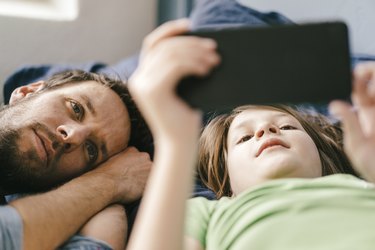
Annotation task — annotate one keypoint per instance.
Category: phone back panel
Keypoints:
(281, 64)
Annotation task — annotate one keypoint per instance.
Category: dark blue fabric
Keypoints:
(33, 73)
(220, 14)
(207, 14)
(356, 59)
(212, 14)
(79, 242)
(200, 190)
(123, 69)
(28, 74)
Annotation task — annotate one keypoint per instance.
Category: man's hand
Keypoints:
(359, 121)
(128, 170)
(51, 218)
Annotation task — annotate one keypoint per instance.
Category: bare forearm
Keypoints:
(51, 218)
(165, 60)
(162, 213)
(109, 225)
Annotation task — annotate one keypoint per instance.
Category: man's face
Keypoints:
(59, 134)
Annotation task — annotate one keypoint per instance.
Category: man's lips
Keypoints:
(270, 143)
(40, 148)
(47, 146)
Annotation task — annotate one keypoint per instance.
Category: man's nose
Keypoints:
(72, 136)
(266, 128)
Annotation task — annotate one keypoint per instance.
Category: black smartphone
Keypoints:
(290, 64)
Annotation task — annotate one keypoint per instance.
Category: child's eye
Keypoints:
(287, 127)
(77, 109)
(245, 138)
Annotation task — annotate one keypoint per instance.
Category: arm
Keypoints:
(165, 59)
(359, 121)
(51, 218)
(109, 225)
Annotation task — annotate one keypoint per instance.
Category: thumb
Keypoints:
(353, 134)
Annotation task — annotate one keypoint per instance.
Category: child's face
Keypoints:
(265, 144)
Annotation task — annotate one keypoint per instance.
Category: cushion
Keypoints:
(32, 73)
(219, 14)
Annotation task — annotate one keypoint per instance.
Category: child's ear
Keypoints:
(24, 91)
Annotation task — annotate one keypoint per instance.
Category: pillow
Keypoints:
(206, 14)
(219, 14)
(32, 73)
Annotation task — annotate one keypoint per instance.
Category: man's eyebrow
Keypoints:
(89, 105)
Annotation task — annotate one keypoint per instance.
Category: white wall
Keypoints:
(359, 15)
(104, 31)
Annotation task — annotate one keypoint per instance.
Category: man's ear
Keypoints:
(24, 91)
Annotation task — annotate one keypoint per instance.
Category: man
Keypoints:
(55, 130)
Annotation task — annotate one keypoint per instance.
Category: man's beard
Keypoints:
(14, 176)
(19, 171)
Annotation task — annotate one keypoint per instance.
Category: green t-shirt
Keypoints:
(332, 212)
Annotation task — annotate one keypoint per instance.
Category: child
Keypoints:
(269, 160)
(213, 153)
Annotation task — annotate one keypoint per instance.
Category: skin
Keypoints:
(110, 225)
(66, 138)
(176, 127)
(293, 153)
(165, 59)
(359, 121)
(51, 218)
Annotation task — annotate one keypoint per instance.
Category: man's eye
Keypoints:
(287, 127)
(92, 151)
(245, 138)
(77, 109)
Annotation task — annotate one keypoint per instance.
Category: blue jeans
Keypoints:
(78, 242)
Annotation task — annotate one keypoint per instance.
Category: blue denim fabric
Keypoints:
(11, 229)
(78, 242)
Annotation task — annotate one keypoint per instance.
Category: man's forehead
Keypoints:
(78, 87)
(90, 92)
(73, 88)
